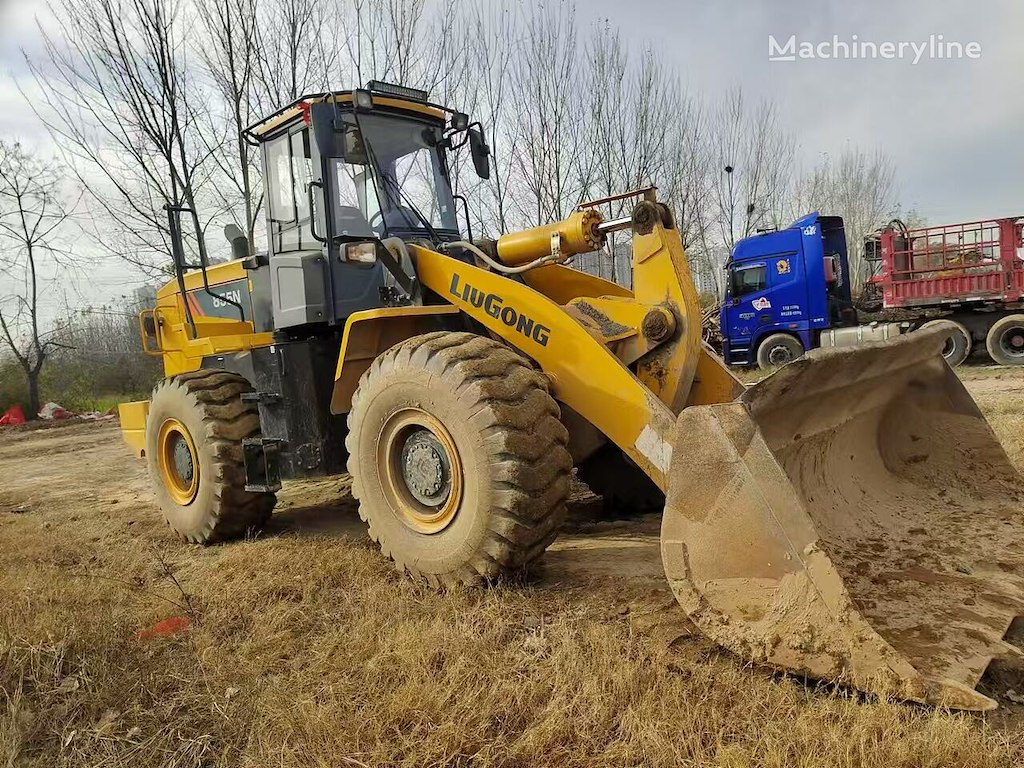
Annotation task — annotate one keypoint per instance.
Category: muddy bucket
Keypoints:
(851, 518)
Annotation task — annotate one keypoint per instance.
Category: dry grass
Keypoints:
(308, 651)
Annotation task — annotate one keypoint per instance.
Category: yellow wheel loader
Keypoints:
(850, 518)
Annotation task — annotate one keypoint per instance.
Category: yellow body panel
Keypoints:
(133, 424)
(661, 277)
(214, 335)
(218, 274)
(713, 383)
(563, 284)
(370, 332)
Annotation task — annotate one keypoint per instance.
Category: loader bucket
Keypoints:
(851, 518)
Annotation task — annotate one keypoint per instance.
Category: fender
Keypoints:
(371, 331)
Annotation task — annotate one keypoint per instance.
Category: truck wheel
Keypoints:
(1005, 340)
(194, 434)
(958, 345)
(458, 458)
(778, 350)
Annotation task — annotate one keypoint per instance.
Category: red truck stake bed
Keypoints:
(974, 271)
(977, 261)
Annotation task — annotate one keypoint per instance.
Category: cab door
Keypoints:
(787, 291)
(768, 295)
(748, 284)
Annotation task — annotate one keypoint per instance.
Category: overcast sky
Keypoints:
(953, 127)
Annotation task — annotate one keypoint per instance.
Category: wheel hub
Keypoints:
(1013, 341)
(426, 468)
(420, 470)
(183, 464)
(779, 356)
(176, 459)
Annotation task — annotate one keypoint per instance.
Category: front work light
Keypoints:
(393, 89)
(460, 121)
(363, 99)
(361, 253)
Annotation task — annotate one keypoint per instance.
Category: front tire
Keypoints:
(1005, 340)
(458, 458)
(778, 350)
(194, 434)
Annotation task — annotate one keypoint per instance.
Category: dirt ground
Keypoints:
(121, 646)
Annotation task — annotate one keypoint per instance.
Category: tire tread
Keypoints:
(228, 420)
(519, 422)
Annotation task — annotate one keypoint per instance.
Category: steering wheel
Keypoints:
(409, 215)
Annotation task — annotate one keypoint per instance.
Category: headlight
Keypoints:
(361, 253)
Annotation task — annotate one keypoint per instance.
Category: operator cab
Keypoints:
(344, 172)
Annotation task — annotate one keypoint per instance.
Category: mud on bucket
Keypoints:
(851, 518)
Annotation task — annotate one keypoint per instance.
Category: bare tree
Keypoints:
(381, 40)
(296, 52)
(143, 125)
(645, 129)
(607, 69)
(688, 184)
(229, 51)
(754, 157)
(483, 90)
(101, 356)
(549, 160)
(31, 213)
(118, 95)
(858, 185)
(230, 55)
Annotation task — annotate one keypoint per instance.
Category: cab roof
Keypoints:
(393, 97)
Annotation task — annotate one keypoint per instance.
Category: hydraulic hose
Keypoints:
(497, 266)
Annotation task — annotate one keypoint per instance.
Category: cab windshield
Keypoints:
(391, 179)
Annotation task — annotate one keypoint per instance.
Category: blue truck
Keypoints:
(788, 291)
(783, 288)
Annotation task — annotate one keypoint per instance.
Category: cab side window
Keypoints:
(749, 280)
(289, 172)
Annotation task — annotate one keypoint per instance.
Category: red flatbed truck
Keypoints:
(970, 273)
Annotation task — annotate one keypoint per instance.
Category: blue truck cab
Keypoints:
(782, 288)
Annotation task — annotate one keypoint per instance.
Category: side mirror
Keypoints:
(481, 153)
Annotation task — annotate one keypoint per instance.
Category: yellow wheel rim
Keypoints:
(420, 470)
(178, 461)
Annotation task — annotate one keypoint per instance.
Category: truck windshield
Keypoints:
(391, 179)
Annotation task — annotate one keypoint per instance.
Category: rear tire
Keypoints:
(1005, 340)
(777, 350)
(958, 345)
(458, 458)
(194, 434)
